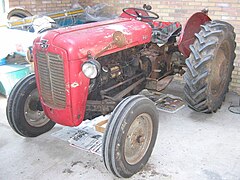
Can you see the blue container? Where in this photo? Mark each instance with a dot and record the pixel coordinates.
(10, 75)
(3, 61)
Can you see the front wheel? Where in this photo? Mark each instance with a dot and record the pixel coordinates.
(24, 111)
(130, 136)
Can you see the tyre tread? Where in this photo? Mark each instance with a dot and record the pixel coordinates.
(196, 89)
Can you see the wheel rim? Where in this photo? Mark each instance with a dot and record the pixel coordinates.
(220, 70)
(33, 113)
(138, 138)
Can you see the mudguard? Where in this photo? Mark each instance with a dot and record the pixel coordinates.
(192, 26)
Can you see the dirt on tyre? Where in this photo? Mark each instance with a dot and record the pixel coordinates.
(24, 111)
(209, 66)
(130, 136)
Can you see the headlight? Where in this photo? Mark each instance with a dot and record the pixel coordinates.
(91, 68)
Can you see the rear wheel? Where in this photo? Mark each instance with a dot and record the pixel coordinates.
(130, 136)
(24, 111)
(210, 66)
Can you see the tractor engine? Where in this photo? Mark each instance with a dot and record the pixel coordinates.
(118, 74)
(115, 68)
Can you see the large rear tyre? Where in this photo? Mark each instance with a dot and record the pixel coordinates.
(130, 136)
(24, 110)
(18, 13)
(209, 66)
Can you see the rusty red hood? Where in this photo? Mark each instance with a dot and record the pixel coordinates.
(97, 38)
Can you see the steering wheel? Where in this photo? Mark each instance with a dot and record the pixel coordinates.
(139, 15)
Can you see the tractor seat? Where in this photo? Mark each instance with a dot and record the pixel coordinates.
(163, 31)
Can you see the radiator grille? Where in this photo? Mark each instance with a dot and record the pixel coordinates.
(51, 76)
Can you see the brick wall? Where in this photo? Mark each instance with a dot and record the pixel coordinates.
(41, 6)
(168, 10)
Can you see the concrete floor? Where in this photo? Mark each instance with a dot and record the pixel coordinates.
(190, 146)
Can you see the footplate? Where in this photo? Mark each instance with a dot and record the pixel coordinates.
(158, 84)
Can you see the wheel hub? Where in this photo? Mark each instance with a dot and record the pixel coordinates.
(33, 112)
(219, 71)
(138, 138)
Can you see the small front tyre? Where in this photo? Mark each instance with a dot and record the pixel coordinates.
(24, 111)
(130, 136)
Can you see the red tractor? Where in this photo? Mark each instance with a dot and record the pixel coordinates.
(88, 70)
